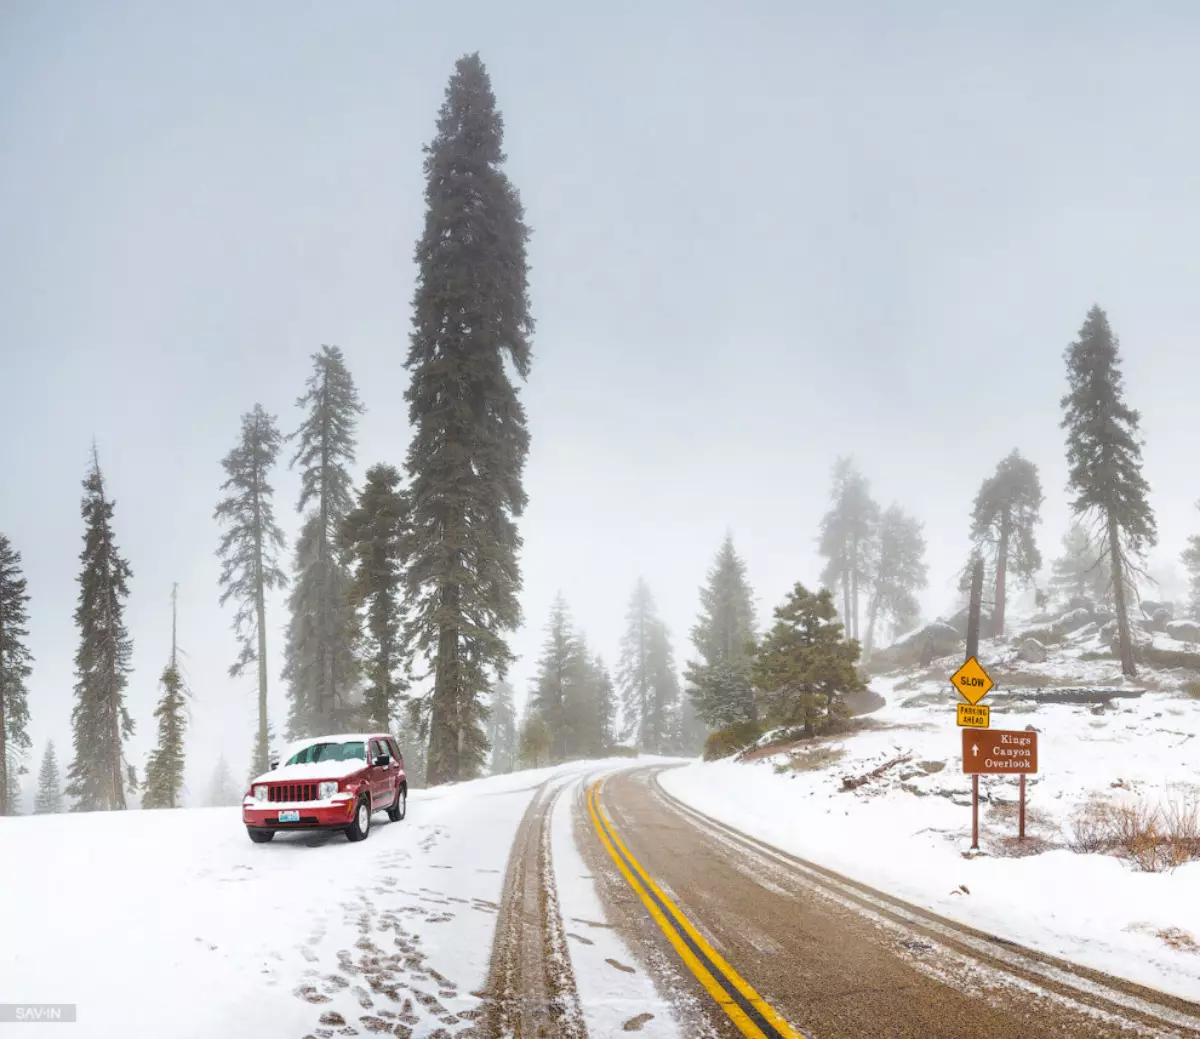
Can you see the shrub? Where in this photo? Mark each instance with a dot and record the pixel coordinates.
(1193, 689)
(1046, 636)
(1155, 657)
(620, 752)
(1153, 838)
(723, 742)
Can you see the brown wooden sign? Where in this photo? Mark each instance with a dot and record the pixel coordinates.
(999, 752)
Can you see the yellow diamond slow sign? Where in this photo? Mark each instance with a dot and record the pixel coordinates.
(972, 681)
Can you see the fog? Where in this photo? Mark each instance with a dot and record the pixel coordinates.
(764, 235)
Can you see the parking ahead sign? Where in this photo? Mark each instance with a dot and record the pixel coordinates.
(974, 717)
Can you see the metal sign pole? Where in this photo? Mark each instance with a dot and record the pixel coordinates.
(974, 813)
(1021, 830)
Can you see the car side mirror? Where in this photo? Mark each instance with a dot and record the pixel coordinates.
(274, 765)
(382, 761)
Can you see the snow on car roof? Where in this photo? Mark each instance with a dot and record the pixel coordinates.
(342, 737)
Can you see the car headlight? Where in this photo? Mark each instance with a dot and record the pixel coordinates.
(260, 793)
(326, 790)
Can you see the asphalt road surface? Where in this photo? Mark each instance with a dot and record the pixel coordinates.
(748, 941)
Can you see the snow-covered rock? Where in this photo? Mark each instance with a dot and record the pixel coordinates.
(1032, 652)
(1081, 602)
(1184, 631)
(1073, 620)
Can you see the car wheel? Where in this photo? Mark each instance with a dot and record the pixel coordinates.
(400, 808)
(260, 836)
(358, 830)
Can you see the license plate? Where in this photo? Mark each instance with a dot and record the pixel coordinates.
(289, 817)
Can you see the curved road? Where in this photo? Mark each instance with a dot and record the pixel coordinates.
(748, 941)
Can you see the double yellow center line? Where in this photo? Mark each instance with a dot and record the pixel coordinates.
(752, 1014)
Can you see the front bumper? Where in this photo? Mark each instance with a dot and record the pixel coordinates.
(314, 815)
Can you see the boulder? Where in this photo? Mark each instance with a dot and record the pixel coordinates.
(1086, 632)
(1108, 630)
(1040, 620)
(1032, 652)
(1151, 607)
(1081, 602)
(1103, 615)
(959, 622)
(1184, 631)
(1073, 621)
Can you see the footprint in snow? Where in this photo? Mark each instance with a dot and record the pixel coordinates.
(580, 938)
(620, 966)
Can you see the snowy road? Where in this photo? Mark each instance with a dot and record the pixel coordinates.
(555, 903)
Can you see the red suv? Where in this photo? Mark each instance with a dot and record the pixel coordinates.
(329, 783)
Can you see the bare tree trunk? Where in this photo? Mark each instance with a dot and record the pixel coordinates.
(1128, 667)
(846, 595)
(872, 616)
(853, 632)
(1001, 574)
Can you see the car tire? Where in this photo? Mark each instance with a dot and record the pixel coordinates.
(361, 827)
(260, 836)
(400, 809)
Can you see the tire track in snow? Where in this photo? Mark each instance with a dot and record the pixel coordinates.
(531, 991)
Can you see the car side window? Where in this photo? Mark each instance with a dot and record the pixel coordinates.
(396, 755)
(377, 748)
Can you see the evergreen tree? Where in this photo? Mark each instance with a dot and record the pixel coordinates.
(471, 316)
(1104, 456)
(1191, 562)
(847, 537)
(249, 554)
(719, 686)
(535, 742)
(1082, 571)
(1007, 509)
(15, 669)
(561, 683)
(49, 798)
(502, 729)
(320, 667)
(599, 727)
(100, 721)
(222, 790)
(646, 675)
(414, 740)
(374, 539)
(804, 666)
(897, 570)
(164, 770)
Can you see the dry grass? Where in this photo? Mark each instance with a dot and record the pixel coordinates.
(1175, 937)
(1152, 837)
(1192, 689)
(810, 760)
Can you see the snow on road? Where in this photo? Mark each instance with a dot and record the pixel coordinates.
(611, 989)
(171, 923)
(906, 832)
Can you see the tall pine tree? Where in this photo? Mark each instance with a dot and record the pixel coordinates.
(49, 797)
(804, 666)
(1104, 456)
(374, 539)
(1007, 509)
(502, 729)
(719, 681)
(164, 770)
(846, 539)
(1082, 571)
(646, 675)
(560, 686)
(100, 721)
(15, 669)
(249, 552)
(471, 317)
(896, 572)
(320, 668)
(222, 790)
(1191, 562)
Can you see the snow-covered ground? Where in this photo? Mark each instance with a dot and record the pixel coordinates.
(906, 832)
(171, 923)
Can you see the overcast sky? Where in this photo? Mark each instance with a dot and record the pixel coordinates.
(764, 234)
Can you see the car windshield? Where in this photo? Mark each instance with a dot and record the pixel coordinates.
(314, 752)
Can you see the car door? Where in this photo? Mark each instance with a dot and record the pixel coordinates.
(379, 778)
(397, 775)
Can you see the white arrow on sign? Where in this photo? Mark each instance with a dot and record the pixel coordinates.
(975, 749)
